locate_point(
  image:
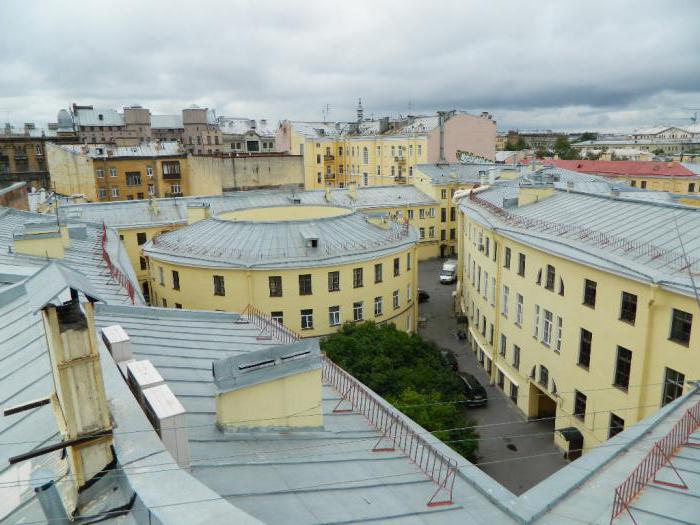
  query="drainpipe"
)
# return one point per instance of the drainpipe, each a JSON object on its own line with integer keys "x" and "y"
{"x": 48, "y": 496}
{"x": 649, "y": 332}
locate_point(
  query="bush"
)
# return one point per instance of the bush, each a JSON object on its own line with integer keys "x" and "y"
{"x": 407, "y": 372}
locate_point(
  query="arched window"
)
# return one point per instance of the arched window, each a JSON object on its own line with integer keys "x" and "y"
{"x": 365, "y": 156}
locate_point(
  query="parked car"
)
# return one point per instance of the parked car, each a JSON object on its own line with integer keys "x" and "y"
{"x": 423, "y": 296}
{"x": 448, "y": 359}
{"x": 448, "y": 273}
{"x": 473, "y": 390}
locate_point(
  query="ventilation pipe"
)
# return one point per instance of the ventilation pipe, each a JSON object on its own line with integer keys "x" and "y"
{"x": 482, "y": 178}
{"x": 441, "y": 119}
{"x": 492, "y": 175}
{"x": 48, "y": 496}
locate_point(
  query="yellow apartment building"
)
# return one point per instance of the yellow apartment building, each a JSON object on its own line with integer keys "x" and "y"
{"x": 580, "y": 300}
{"x": 105, "y": 173}
{"x": 383, "y": 151}
{"x": 139, "y": 221}
{"x": 309, "y": 268}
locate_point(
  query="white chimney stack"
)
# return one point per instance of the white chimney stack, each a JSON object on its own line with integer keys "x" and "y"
{"x": 118, "y": 342}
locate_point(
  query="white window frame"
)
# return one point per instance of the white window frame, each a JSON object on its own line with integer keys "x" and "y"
{"x": 536, "y": 324}
{"x": 307, "y": 320}
{"x": 115, "y": 192}
{"x": 560, "y": 330}
{"x": 396, "y": 299}
{"x": 112, "y": 172}
{"x": 504, "y": 301}
{"x": 547, "y": 324}
{"x": 100, "y": 173}
{"x": 333, "y": 315}
{"x": 519, "y": 309}
{"x": 149, "y": 171}
{"x": 378, "y": 306}
{"x": 358, "y": 311}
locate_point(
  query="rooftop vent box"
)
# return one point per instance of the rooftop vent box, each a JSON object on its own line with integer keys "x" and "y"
{"x": 142, "y": 375}
{"x": 117, "y": 342}
{"x": 168, "y": 417}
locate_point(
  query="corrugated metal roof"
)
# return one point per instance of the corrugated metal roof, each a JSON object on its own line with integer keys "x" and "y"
{"x": 632, "y": 235}
{"x": 174, "y": 211}
{"x": 98, "y": 117}
{"x": 612, "y": 168}
{"x": 145, "y": 149}
{"x": 458, "y": 172}
{"x": 241, "y": 126}
{"x": 167, "y": 121}
{"x": 224, "y": 243}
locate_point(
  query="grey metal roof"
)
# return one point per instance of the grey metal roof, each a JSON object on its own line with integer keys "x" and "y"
{"x": 83, "y": 255}
{"x": 91, "y": 117}
{"x": 145, "y": 149}
{"x": 275, "y": 362}
{"x": 167, "y": 121}
{"x": 631, "y": 236}
{"x": 458, "y": 172}
{"x": 142, "y": 213}
{"x": 225, "y": 243}
{"x": 50, "y": 283}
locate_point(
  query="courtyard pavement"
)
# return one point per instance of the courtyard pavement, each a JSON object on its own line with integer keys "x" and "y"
{"x": 500, "y": 421}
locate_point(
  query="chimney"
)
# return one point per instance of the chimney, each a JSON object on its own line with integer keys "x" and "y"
{"x": 441, "y": 119}
{"x": 492, "y": 175}
{"x": 482, "y": 178}
{"x": 360, "y": 112}
{"x": 276, "y": 388}
{"x": 117, "y": 342}
{"x": 43, "y": 240}
{"x": 82, "y": 410}
{"x": 352, "y": 190}
{"x": 328, "y": 194}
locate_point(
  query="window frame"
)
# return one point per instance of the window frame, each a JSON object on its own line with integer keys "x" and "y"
{"x": 274, "y": 283}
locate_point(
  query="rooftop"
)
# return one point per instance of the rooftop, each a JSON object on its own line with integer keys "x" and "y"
{"x": 611, "y": 226}
{"x": 458, "y": 172}
{"x": 143, "y": 213}
{"x": 145, "y": 149}
{"x": 241, "y": 126}
{"x": 612, "y": 168}
{"x": 224, "y": 243}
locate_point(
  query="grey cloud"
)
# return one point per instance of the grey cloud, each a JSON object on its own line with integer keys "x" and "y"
{"x": 613, "y": 65}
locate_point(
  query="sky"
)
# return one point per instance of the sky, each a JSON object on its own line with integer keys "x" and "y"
{"x": 565, "y": 65}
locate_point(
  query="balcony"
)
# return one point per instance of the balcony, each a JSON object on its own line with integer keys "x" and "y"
{"x": 171, "y": 176}
{"x": 328, "y": 158}
{"x": 400, "y": 159}
{"x": 329, "y": 176}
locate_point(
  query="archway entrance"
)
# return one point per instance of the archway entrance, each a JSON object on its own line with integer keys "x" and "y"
{"x": 541, "y": 405}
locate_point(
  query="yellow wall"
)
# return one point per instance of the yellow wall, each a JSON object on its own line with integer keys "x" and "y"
{"x": 293, "y": 401}
{"x": 673, "y": 185}
{"x": 245, "y": 287}
{"x": 71, "y": 174}
{"x": 284, "y": 213}
{"x": 652, "y": 351}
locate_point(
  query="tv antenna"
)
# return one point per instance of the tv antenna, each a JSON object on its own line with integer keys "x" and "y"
{"x": 326, "y": 110}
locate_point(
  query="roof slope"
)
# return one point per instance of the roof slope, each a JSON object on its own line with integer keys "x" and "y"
{"x": 639, "y": 168}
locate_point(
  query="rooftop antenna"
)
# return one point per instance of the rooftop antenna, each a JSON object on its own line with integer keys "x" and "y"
{"x": 694, "y": 117}
{"x": 687, "y": 260}
{"x": 410, "y": 107}
{"x": 326, "y": 110}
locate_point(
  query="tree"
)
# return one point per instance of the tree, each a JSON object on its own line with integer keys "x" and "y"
{"x": 541, "y": 153}
{"x": 588, "y": 135}
{"x": 562, "y": 147}
{"x": 407, "y": 371}
{"x": 658, "y": 151}
{"x": 517, "y": 145}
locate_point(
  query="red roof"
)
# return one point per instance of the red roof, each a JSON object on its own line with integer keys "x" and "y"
{"x": 613, "y": 168}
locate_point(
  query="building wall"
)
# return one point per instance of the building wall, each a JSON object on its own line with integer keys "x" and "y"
{"x": 647, "y": 338}
{"x": 251, "y": 286}
{"x": 23, "y": 159}
{"x": 71, "y": 173}
{"x": 670, "y": 184}
{"x": 14, "y": 197}
{"x": 470, "y": 133}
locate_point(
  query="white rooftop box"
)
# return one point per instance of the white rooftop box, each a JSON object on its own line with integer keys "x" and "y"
{"x": 118, "y": 342}
{"x": 169, "y": 419}
{"x": 142, "y": 375}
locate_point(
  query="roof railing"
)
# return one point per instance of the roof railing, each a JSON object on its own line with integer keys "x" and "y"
{"x": 659, "y": 456}
{"x": 115, "y": 271}
{"x": 269, "y": 328}
{"x": 396, "y": 432}
{"x": 601, "y": 239}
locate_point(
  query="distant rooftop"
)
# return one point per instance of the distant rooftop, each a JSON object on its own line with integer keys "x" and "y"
{"x": 145, "y": 149}
{"x": 638, "y": 168}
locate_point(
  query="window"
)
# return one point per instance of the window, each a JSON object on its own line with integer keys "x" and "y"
{"x": 519, "y": 310}
{"x": 547, "y": 328}
{"x": 589, "y": 291}
{"x": 277, "y": 317}
{"x": 691, "y": 187}
{"x": 421, "y": 213}
{"x": 397, "y": 265}
{"x": 101, "y": 193}
{"x": 176, "y": 280}
{"x": 378, "y": 271}
{"x": 421, "y": 232}
{"x": 561, "y": 286}
{"x": 453, "y": 234}
{"x": 617, "y": 425}
{"x": 149, "y": 171}
{"x": 673, "y": 386}
{"x": 378, "y": 306}
{"x": 681, "y": 324}
{"x": 115, "y": 192}
{"x": 133, "y": 178}
{"x": 628, "y": 309}
{"x": 165, "y": 303}
{"x": 500, "y": 379}
{"x": 333, "y": 281}
{"x": 161, "y": 276}
{"x": 443, "y": 214}
{"x": 178, "y": 306}
{"x": 333, "y": 315}
{"x": 175, "y": 188}
{"x": 408, "y": 262}
{"x": 431, "y": 232}
{"x": 275, "y": 283}
{"x": 549, "y": 283}
{"x": 141, "y": 238}
{"x": 358, "y": 311}
{"x": 219, "y": 288}
{"x": 513, "y": 392}
{"x": 539, "y": 277}
{"x": 584, "y": 348}
{"x": 536, "y": 324}
{"x": 443, "y": 235}
{"x": 622, "y": 368}
{"x": 504, "y": 346}
{"x": 516, "y": 357}
{"x": 443, "y": 194}
{"x": 100, "y": 174}
{"x": 365, "y": 156}
{"x": 504, "y": 301}
{"x": 307, "y": 319}
{"x": 506, "y": 258}
{"x": 580, "y": 405}
{"x": 544, "y": 376}
{"x": 357, "y": 278}
{"x": 305, "y": 284}
{"x": 112, "y": 172}
{"x": 491, "y": 334}
{"x": 143, "y": 263}
{"x": 453, "y": 214}
{"x": 493, "y": 291}
{"x": 395, "y": 297}
{"x": 560, "y": 333}
{"x": 521, "y": 264}
{"x": 486, "y": 284}
{"x": 643, "y": 184}
{"x": 431, "y": 212}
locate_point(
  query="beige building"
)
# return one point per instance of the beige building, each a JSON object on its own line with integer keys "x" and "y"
{"x": 244, "y": 135}
{"x": 378, "y": 152}
{"x": 580, "y": 298}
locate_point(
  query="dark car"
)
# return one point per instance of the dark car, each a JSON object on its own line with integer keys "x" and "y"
{"x": 423, "y": 296}
{"x": 474, "y": 392}
{"x": 448, "y": 359}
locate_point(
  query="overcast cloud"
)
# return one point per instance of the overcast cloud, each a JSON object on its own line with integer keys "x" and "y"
{"x": 540, "y": 64}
